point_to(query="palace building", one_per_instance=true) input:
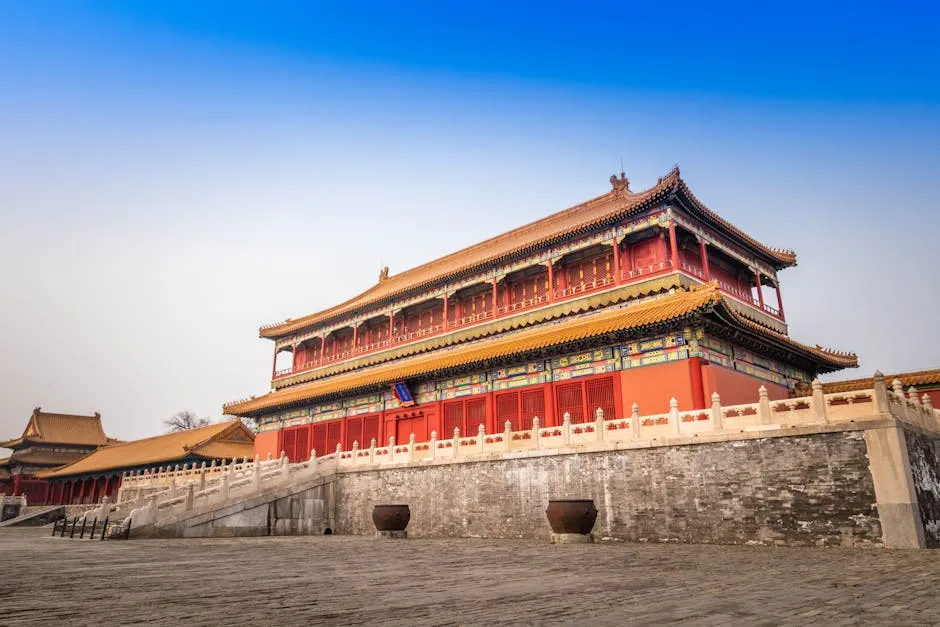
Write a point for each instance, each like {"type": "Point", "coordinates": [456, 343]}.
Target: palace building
{"type": "Point", "coordinates": [628, 298]}
{"type": "Point", "coordinates": [48, 441]}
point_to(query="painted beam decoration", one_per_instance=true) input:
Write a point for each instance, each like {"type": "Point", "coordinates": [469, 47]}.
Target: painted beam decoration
{"type": "Point", "coordinates": [403, 394]}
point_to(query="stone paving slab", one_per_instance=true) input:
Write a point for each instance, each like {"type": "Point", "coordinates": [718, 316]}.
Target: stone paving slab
{"type": "Point", "coordinates": [339, 580]}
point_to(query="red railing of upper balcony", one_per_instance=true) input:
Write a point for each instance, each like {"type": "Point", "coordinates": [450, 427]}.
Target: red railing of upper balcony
{"type": "Point", "coordinates": [570, 292]}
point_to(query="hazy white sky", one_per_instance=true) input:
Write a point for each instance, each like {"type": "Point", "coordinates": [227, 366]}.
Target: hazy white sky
{"type": "Point", "coordinates": [166, 191]}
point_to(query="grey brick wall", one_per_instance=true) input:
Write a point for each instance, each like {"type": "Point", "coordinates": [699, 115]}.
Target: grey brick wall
{"type": "Point", "coordinates": [924, 453]}
{"type": "Point", "coordinates": [806, 490]}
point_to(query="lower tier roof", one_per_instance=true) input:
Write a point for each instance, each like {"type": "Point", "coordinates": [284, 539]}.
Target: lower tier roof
{"type": "Point", "coordinates": [682, 305]}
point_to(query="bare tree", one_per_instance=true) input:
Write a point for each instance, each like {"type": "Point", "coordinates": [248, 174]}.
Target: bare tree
{"type": "Point", "coordinates": [181, 421]}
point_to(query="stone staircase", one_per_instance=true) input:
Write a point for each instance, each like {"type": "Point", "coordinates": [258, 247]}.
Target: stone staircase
{"type": "Point", "coordinates": [271, 497]}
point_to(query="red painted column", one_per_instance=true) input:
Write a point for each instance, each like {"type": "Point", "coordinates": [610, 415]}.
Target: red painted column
{"type": "Point", "coordinates": [617, 270]}
{"type": "Point", "coordinates": [446, 305]}
{"type": "Point", "coordinates": [322, 348]}
{"type": "Point", "coordinates": [698, 388]}
{"type": "Point", "coordinates": [551, 280]}
{"type": "Point", "coordinates": [16, 485]}
{"type": "Point", "coordinates": [391, 326]}
{"type": "Point", "coordinates": [760, 293]}
{"type": "Point", "coordinates": [703, 250]}
{"type": "Point", "coordinates": [779, 298]}
{"type": "Point", "coordinates": [274, 364]}
{"type": "Point", "coordinates": [495, 295]}
{"type": "Point", "coordinates": [355, 344]}
{"type": "Point", "coordinates": [673, 244]}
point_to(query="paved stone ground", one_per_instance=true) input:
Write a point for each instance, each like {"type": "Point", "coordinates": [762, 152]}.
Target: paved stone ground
{"type": "Point", "coordinates": [355, 580]}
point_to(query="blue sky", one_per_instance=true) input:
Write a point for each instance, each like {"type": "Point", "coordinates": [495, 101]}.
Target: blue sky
{"type": "Point", "coordinates": [174, 174]}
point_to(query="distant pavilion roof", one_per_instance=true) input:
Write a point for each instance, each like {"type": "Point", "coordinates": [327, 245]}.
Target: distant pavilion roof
{"type": "Point", "coordinates": [921, 379]}
{"type": "Point", "coordinates": [616, 204]}
{"type": "Point", "coordinates": [700, 300]}
{"type": "Point", "coordinates": [224, 440]}
{"type": "Point", "coordinates": [68, 429]}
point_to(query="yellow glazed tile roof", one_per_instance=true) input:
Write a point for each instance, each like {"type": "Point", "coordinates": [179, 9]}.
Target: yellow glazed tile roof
{"type": "Point", "coordinates": [528, 237]}
{"type": "Point", "coordinates": [228, 439]}
{"type": "Point", "coordinates": [926, 379]}
{"type": "Point", "coordinates": [635, 316]}
{"type": "Point", "coordinates": [61, 429]}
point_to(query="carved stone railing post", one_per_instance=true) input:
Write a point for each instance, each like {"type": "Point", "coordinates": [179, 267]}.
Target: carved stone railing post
{"type": "Point", "coordinates": [433, 444]}
{"type": "Point", "coordinates": [898, 390]}
{"type": "Point", "coordinates": [535, 432]}
{"type": "Point", "coordinates": [313, 458]}
{"type": "Point", "coordinates": [599, 424]}
{"type": "Point", "coordinates": [717, 422]}
{"type": "Point", "coordinates": [818, 402]}
{"type": "Point", "coordinates": [635, 420]}
{"type": "Point", "coordinates": [882, 405]}
{"type": "Point", "coordinates": [933, 417]}
{"type": "Point", "coordinates": [674, 416]}
{"type": "Point", "coordinates": [355, 449]}
{"type": "Point", "coordinates": [507, 435]}
{"type": "Point", "coordinates": [391, 448]}
{"type": "Point", "coordinates": [257, 477]}
{"type": "Point", "coordinates": [372, 451]}
{"type": "Point", "coordinates": [915, 407]}
{"type": "Point", "coordinates": [566, 428]}
{"type": "Point", "coordinates": [339, 450]}
{"type": "Point", "coordinates": [190, 498]}
{"type": "Point", "coordinates": [411, 447]}
{"type": "Point", "coordinates": [202, 477]}
{"type": "Point", "coordinates": [763, 406]}
{"type": "Point", "coordinates": [481, 437]}
{"type": "Point", "coordinates": [456, 442]}
{"type": "Point", "coordinates": [285, 467]}
{"type": "Point", "coordinates": [171, 493]}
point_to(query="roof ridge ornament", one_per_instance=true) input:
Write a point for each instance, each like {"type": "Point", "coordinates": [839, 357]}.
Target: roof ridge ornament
{"type": "Point", "coordinates": [383, 274]}
{"type": "Point", "coordinates": [620, 185]}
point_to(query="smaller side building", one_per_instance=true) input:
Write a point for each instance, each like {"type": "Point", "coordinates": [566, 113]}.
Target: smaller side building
{"type": "Point", "coordinates": [99, 474]}
{"type": "Point", "coordinates": [49, 440]}
{"type": "Point", "coordinates": [924, 382]}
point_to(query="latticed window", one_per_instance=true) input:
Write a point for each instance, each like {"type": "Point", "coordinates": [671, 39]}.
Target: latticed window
{"type": "Point", "coordinates": [570, 399]}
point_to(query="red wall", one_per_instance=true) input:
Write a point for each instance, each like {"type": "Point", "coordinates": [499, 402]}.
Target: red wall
{"type": "Point", "coordinates": [737, 388]}
{"type": "Point", "coordinates": [595, 391]}
{"type": "Point", "coordinates": [652, 386]}
{"type": "Point", "coordinates": [267, 443]}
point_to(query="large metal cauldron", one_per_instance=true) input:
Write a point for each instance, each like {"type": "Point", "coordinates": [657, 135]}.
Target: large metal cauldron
{"type": "Point", "coordinates": [391, 517]}
{"type": "Point", "coordinates": [571, 515]}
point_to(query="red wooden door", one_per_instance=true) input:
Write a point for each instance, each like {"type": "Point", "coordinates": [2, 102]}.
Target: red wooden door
{"type": "Point", "coordinates": [532, 405]}
{"type": "Point", "coordinates": [404, 427]}
{"type": "Point", "coordinates": [571, 400]}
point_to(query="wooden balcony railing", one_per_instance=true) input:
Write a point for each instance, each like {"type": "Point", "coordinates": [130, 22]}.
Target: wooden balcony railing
{"type": "Point", "coordinates": [572, 291]}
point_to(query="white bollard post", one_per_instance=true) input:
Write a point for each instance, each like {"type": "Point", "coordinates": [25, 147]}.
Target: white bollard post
{"type": "Point", "coordinates": [763, 406]}
{"type": "Point", "coordinates": [635, 420]}
{"type": "Point", "coordinates": [882, 405]}
{"type": "Point", "coordinates": [717, 423]}
{"type": "Point", "coordinates": [818, 402]}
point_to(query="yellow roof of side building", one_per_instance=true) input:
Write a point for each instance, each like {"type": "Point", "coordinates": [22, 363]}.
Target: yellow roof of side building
{"type": "Point", "coordinates": [227, 440]}
{"type": "Point", "coordinates": [654, 311]}
{"type": "Point", "coordinates": [50, 428]}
